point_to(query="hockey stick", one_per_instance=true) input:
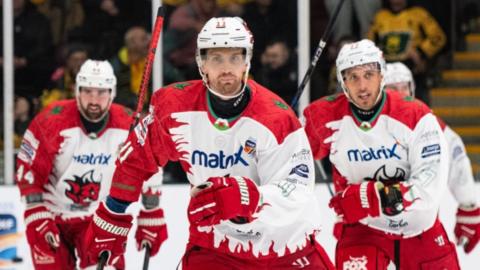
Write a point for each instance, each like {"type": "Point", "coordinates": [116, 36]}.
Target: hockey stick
{"type": "Point", "coordinates": [308, 75]}
{"type": "Point", "coordinates": [318, 53]}
{"type": "Point", "coordinates": [148, 64]}
{"type": "Point", "coordinates": [146, 259]}
{"type": "Point", "coordinates": [102, 260]}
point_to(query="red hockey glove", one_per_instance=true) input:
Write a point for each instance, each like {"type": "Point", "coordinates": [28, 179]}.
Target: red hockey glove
{"type": "Point", "coordinates": [468, 227]}
{"type": "Point", "coordinates": [223, 198]}
{"type": "Point", "coordinates": [151, 230]}
{"type": "Point", "coordinates": [108, 232]}
{"type": "Point", "coordinates": [43, 235]}
{"type": "Point", "coordinates": [356, 202]}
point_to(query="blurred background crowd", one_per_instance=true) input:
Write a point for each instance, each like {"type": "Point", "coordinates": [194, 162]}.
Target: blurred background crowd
{"type": "Point", "coordinates": [54, 37]}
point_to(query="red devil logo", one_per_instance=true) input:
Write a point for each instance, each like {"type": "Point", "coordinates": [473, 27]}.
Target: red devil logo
{"type": "Point", "coordinates": [83, 189]}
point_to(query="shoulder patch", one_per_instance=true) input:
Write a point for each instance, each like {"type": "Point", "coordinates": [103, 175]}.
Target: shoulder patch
{"type": "Point", "coordinates": [409, 98]}
{"type": "Point", "coordinates": [56, 110]}
{"type": "Point", "coordinates": [181, 86]}
{"type": "Point", "coordinates": [128, 111]}
{"type": "Point", "coordinates": [331, 97]}
{"type": "Point", "coordinates": [281, 104]}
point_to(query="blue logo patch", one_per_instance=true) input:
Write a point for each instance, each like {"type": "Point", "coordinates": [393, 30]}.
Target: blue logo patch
{"type": "Point", "coordinates": [431, 150]}
{"type": "Point", "coordinates": [101, 159]}
{"type": "Point", "coordinates": [300, 170]}
{"type": "Point", "coordinates": [220, 160]}
{"type": "Point", "coordinates": [373, 153]}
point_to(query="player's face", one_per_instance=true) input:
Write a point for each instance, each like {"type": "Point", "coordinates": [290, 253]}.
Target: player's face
{"type": "Point", "coordinates": [94, 102]}
{"type": "Point", "coordinates": [363, 84]}
{"type": "Point", "coordinates": [225, 68]}
{"type": "Point", "coordinates": [401, 87]}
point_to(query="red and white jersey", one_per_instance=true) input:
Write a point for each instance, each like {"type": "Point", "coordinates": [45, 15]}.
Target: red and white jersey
{"type": "Point", "coordinates": [266, 143]}
{"type": "Point", "coordinates": [460, 176]}
{"type": "Point", "coordinates": [403, 142]}
{"type": "Point", "coordinates": [72, 169]}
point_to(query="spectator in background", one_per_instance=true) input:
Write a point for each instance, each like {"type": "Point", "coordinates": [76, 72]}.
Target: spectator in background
{"type": "Point", "coordinates": [24, 110]}
{"type": "Point", "coordinates": [180, 39]}
{"type": "Point", "coordinates": [268, 19]}
{"type": "Point", "coordinates": [33, 50]}
{"type": "Point", "coordinates": [278, 71]}
{"type": "Point", "coordinates": [64, 16]}
{"type": "Point", "coordinates": [62, 79]}
{"type": "Point", "coordinates": [363, 11]}
{"type": "Point", "coordinates": [128, 65]}
{"type": "Point", "coordinates": [408, 34]}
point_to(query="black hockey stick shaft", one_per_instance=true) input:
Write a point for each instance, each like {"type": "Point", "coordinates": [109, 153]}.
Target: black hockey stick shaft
{"type": "Point", "coordinates": [324, 176]}
{"type": "Point", "coordinates": [146, 259]}
{"type": "Point", "coordinates": [318, 53]}
{"type": "Point", "coordinates": [147, 71]}
{"type": "Point", "coordinates": [102, 260]}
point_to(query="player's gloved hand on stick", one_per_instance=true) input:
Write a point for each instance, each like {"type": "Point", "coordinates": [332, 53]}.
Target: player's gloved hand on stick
{"type": "Point", "coordinates": [107, 232]}
{"type": "Point", "coordinates": [223, 198]}
{"type": "Point", "coordinates": [356, 202]}
{"type": "Point", "coordinates": [467, 229]}
{"type": "Point", "coordinates": [151, 230]}
{"type": "Point", "coordinates": [42, 232]}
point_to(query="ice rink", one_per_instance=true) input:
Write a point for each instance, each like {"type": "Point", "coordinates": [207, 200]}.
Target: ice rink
{"type": "Point", "coordinates": [174, 201]}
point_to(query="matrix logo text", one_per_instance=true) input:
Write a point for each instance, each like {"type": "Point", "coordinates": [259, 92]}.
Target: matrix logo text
{"type": "Point", "coordinates": [372, 153]}
{"type": "Point", "coordinates": [218, 160]}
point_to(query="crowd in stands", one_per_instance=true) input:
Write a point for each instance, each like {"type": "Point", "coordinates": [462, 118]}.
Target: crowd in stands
{"type": "Point", "coordinates": [54, 37]}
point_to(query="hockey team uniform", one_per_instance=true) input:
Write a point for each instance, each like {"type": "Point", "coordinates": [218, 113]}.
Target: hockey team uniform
{"type": "Point", "coordinates": [460, 176]}
{"type": "Point", "coordinates": [266, 144]}
{"type": "Point", "coordinates": [72, 170]}
{"type": "Point", "coordinates": [403, 143]}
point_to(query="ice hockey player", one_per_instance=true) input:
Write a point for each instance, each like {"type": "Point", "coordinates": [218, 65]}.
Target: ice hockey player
{"type": "Point", "coordinates": [390, 166]}
{"type": "Point", "coordinates": [65, 166]}
{"type": "Point", "coordinates": [246, 156]}
{"type": "Point", "coordinates": [460, 177]}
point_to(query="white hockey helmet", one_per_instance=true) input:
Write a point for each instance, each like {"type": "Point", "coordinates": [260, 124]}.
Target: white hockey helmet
{"type": "Point", "coordinates": [224, 32]}
{"type": "Point", "coordinates": [98, 74]}
{"type": "Point", "coordinates": [398, 72]}
{"type": "Point", "coordinates": [356, 54]}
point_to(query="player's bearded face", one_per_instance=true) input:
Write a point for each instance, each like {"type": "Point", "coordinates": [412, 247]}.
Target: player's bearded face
{"type": "Point", "coordinates": [225, 69]}
{"type": "Point", "coordinates": [94, 102]}
{"type": "Point", "coordinates": [363, 84]}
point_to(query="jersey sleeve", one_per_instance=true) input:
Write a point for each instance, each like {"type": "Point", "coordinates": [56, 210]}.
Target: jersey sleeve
{"type": "Point", "coordinates": [35, 159]}
{"type": "Point", "coordinates": [428, 155]}
{"type": "Point", "coordinates": [460, 177]}
{"type": "Point", "coordinates": [287, 183]}
{"type": "Point", "coordinates": [316, 118]}
{"type": "Point", "coordinates": [145, 149]}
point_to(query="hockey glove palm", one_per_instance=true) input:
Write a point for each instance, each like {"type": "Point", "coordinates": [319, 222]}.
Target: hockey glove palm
{"type": "Point", "coordinates": [107, 232]}
{"type": "Point", "coordinates": [356, 202]}
{"type": "Point", "coordinates": [468, 227]}
{"type": "Point", "coordinates": [151, 230]}
{"type": "Point", "coordinates": [223, 198]}
{"type": "Point", "coordinates": [43, 235]}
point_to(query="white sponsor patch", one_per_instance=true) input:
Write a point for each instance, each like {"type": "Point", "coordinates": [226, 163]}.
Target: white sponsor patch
{"type": "Point", "coordinates": [28, 148]}
{"type": "Point", "coordinates": [355, 263]}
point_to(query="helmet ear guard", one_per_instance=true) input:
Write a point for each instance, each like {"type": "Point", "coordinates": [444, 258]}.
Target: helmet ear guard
{"type": "Point", "coordinates": [356, 54]}
{"type": "Point", "coordinates": [398, 72]}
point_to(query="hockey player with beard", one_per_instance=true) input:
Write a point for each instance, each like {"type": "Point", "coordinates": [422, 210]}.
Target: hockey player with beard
{"type": "Point", "coordinates": [460, 177]}
{"type": "Point", "coordinates": [246, 156]}
{"type": "Point", "coordinates": [65, 166]}
{"type": "Point", "coordinates": [390, 166]}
